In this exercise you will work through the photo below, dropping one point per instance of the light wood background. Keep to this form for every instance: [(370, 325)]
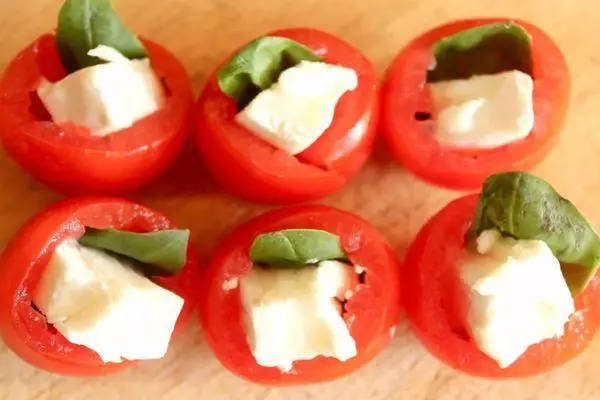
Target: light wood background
[(201, 33)]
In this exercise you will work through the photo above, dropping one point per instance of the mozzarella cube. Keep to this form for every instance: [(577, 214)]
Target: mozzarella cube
[(483, 111), (517, 293), (97, 301), (105, 98), (295, 111), (291, 315)]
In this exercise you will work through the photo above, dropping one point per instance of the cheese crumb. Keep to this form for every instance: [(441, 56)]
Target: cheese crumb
[(230, 284)]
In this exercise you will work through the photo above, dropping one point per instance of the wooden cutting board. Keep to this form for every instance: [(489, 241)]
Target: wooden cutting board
[(202, 33)]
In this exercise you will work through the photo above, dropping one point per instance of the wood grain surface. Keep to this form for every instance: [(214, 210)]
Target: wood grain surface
[(201, 33)]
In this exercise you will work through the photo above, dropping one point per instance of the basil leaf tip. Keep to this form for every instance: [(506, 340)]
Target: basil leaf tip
[(258, 65), (523, 206), (85, 24), (292, 248), (164, 250), (483, 50)]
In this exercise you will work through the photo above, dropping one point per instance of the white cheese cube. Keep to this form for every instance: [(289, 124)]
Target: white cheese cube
[(518, 295), (295, 111), (105, 98), (483, 111), (291, 315), (100, 302)]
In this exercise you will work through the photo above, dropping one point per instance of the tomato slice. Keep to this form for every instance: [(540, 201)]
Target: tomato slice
[(429, 282), (66, 156), (371, 313), (251, 168), (406, 107), (23, 328)]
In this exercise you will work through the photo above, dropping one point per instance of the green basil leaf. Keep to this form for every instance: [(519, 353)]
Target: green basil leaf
[(484, 50), (166, 250), (258, 65), (524, 206), (296, 247), (85, 24)]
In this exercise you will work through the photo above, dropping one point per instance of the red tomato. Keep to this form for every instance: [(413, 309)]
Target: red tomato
[(23, 328), (405, 95), (253, 169), (431, 303), (372, 312), (66, 156)]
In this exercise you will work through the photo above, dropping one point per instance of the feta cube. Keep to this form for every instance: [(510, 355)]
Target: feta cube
[(295, 111), (100, 302), (483, 111), (517, 294), (291, 315), (104, 98)]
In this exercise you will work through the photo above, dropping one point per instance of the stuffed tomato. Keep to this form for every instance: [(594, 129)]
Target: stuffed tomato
[(288, 118), (91, 284), (504, 284), (300, 295), (472, 98), (92, 108)]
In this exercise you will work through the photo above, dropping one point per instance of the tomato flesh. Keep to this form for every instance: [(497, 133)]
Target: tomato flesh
[(408, 129), (23, 328), (66, 156), (371, 313), (253, 169), (430, 300)]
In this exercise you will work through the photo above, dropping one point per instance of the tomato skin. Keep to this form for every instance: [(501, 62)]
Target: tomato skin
[(427, 298), (404, 93), (253, 169), (373, 311), (23, 328), (65, 156)]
